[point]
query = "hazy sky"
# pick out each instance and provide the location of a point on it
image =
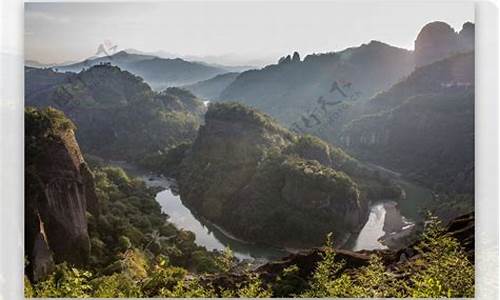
(56, 32)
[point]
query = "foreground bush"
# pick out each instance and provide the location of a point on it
(440, 269)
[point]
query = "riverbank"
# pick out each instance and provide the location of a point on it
(385, 217)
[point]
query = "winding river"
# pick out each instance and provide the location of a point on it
(386, 218)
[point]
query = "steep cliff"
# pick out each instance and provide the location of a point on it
(59, 192)
(261, 182)
(438, 40)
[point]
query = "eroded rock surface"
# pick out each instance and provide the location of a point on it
(59, 192)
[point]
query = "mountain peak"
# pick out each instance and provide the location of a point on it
(121, 53)
(436, 28)
(377, 43)
(438, 40)
(468, 26)
(237, 112)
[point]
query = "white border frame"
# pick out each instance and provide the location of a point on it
(12, 149)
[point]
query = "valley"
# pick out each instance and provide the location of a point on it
(409, 210)
(342, 174)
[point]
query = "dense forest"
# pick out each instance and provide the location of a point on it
(293, 156)
(133, 251)
(118, 115)
(267, 181)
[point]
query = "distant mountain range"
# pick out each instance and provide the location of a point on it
(214, 61)
(211, 89)
(298, 92)
(411, 111)
(36, 64)
(160, 73)
(293, 87)
(369, 98)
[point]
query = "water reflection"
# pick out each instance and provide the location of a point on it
(373, 229)
(207, 234)
(386, 221)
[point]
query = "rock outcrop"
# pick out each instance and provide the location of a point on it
(438, 40)
(261, 182)
(58, 194)
(466, 36)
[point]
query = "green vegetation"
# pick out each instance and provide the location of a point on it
(131, 240)
(245, 172)
(237, 112)
(286, 91)
(423, 126)
(117, 114)
(253, 177)
(166, 162)
(439, 269)
(45, 122)
(299, 195)
(131, 220)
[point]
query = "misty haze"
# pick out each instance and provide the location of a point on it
(249, 149)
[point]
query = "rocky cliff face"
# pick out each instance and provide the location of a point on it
(59, 191)
(261, 182)
(438, 40)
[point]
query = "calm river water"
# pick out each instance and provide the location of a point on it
(384, 217)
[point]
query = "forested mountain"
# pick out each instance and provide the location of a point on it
(120, 59)
(40, 82)
(123, 246)
(350, 147)
(96, 218)
(160, 73)
(117, 113)
(211, 89)
(423, 126)
(323, 92)
(294, 87)
(260, 181)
